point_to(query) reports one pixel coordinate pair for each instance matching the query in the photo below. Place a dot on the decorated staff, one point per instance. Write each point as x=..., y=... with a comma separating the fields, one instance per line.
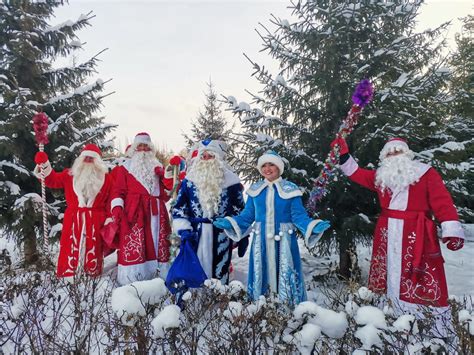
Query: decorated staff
x=40, y=126
x=362, y=96
x=175, y=173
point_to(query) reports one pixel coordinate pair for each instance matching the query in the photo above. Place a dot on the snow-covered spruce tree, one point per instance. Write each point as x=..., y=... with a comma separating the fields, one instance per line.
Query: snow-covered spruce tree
x=29, y=82
x=455, y=158
x=322, y=54
x=210, y=123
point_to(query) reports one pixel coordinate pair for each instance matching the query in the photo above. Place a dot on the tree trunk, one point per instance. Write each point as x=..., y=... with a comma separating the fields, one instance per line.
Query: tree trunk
x=30, y=250
x=348, y=261
x=344, y=259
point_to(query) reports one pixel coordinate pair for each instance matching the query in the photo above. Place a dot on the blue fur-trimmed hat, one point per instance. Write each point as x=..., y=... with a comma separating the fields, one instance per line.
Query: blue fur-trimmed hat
x=271, y=157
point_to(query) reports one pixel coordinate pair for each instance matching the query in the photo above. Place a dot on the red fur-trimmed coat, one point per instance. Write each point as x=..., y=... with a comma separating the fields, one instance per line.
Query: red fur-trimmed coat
x=406, y=258
x=144, y=226
x=80, y=218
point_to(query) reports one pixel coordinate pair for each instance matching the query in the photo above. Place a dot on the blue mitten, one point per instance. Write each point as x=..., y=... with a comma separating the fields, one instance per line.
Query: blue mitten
x=222, y=223
x=187, y=235
x=321, y=227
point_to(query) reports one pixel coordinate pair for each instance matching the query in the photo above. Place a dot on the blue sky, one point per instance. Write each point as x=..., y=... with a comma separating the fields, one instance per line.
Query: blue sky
x=161, y=54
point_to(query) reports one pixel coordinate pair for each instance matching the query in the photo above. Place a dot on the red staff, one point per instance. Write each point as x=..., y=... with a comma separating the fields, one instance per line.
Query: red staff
x=40, y=126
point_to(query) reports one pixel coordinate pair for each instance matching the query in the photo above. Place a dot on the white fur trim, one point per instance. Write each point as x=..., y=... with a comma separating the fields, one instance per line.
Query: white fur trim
x=181, y=224
x=271, y=158
x=253, y=192
x=350, y=166
x=90, y=153
x=392, y=146
x=118, y=201
x=452, y=229
x=108, y=220
x=310, y=238
x=284, y=194
x=230, y=178
x=394, y=255
x=141, y=138
x=270, y=242
x=236, y=233
x=215, y=146
x=204, y=252
x=47, y=169
x=127, y=274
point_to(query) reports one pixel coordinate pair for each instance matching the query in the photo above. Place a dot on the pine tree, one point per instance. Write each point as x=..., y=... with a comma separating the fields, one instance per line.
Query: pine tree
x=29, y=82
x=455, y=158
x=322, y=55
x=209, y=123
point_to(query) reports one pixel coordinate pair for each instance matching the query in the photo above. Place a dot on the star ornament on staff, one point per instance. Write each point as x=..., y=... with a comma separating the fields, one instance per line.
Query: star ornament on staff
x=40, y=127
x=361, y=97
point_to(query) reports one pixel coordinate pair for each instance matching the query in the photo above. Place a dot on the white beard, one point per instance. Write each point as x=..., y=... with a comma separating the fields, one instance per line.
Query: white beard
x=142, y=167
x=88, y=178
x=208, y=176
x=396, y=172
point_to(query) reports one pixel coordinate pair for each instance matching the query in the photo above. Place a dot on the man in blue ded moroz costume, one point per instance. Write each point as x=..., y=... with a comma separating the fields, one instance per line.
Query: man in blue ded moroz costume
x=210, y=190
x=273, y=213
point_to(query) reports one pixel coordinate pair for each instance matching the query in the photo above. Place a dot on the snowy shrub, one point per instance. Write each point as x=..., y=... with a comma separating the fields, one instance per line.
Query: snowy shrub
x=41, y=314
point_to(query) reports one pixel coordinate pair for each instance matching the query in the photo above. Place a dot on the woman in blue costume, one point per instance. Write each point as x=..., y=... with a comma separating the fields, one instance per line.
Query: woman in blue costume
x=273, y=212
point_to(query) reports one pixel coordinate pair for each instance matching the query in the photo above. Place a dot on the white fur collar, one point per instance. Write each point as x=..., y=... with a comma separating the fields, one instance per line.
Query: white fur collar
x=286, y=189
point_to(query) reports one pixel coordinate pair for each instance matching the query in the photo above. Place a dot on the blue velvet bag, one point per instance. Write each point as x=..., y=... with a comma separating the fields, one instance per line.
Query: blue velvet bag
x=186, y=270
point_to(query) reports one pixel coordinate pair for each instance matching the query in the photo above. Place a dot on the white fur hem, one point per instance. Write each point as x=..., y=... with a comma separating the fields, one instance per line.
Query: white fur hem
x=47, y=169
x=118, y=201
x=350, y=166
x=236, y=233
x=452, y=229
x=181, y=224
x=108, y=220
x=310, y=238
x=127, y=274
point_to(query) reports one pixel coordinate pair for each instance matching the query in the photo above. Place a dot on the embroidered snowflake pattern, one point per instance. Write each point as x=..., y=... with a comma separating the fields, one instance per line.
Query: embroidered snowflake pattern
x=133, y=250
x=419, y=285
x=179, y=212
x=256, y=185
x=378, y=266
x=196, y=207
x=288, y=186
x=224, y=203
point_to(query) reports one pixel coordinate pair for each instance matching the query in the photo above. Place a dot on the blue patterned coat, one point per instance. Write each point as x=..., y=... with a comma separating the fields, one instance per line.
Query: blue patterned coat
x=273, y=212
x=215, y=248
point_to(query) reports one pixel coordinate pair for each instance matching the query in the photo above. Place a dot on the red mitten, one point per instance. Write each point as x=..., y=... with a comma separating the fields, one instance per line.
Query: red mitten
x=341, y=142
x=175, y=160
x=41, y=157
x=160, y=171
x=182, y=175
x=117, y=212
x=453, y=243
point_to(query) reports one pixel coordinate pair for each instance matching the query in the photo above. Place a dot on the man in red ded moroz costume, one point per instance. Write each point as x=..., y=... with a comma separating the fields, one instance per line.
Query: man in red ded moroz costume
x=87, y=188
x=407, y=263
x=138, y=206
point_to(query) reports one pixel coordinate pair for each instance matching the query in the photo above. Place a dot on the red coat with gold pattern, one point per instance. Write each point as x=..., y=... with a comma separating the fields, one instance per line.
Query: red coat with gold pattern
x=406, y=258
x=81, y=243
x=144, y=227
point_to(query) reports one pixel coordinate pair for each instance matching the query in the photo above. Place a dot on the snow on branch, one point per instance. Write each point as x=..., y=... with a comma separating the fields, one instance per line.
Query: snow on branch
x=69, y=23
x=83, y=90
x=14, y=166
